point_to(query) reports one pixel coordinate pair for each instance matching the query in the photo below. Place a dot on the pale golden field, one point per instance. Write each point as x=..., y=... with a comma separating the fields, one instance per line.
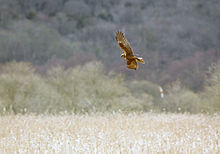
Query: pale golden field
x=110, y=133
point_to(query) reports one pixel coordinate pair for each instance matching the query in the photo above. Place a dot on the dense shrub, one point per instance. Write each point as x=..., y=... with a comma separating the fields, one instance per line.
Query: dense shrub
x=180, y=99
x=144, y=87
x=211, y=95
x=80, y=89
x=87, y=88
x=22, y=90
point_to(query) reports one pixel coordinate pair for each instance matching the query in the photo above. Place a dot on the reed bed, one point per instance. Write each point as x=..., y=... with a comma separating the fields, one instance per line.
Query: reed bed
x=110, y=133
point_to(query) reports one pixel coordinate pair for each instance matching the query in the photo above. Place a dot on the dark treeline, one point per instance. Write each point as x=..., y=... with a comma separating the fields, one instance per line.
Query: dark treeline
x=180, y=39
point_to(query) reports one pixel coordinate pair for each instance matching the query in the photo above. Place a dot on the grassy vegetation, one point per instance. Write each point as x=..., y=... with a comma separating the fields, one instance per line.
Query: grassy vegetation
x=211, y=94
x=80, y=89
x=88, y=89
x=110, y=133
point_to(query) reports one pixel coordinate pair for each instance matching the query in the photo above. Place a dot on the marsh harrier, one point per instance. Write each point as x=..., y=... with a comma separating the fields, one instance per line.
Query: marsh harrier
x=128, y=53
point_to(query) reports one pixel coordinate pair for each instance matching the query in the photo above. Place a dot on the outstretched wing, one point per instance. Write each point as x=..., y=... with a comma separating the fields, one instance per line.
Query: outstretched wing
x=123, y=43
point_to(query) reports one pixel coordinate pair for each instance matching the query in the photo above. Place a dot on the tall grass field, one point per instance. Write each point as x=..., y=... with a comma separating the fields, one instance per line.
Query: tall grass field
x=110, y=133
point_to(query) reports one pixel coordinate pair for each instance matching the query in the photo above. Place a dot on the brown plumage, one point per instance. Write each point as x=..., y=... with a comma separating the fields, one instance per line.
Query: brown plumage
x=128, y=53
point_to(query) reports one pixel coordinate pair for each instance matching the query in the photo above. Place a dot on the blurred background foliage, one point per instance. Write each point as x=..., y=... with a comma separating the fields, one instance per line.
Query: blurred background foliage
x=55, y=55
x=89, y=88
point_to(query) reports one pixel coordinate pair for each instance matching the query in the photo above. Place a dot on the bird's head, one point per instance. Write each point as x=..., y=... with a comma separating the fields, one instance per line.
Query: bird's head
x=123, y=55
x=140, y=59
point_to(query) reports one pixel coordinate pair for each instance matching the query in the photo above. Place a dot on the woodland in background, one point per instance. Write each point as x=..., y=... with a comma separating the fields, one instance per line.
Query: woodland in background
x=180, y=40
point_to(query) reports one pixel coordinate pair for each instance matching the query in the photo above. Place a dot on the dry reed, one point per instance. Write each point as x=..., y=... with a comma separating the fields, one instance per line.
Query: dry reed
x=110, y=133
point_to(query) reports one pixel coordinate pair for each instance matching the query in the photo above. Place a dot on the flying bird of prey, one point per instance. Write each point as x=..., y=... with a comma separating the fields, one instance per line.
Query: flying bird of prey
x=128, y=53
